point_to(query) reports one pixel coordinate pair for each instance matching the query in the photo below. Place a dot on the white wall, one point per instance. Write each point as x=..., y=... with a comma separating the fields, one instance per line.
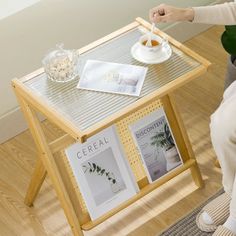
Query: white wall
x=26, y=36
x=9, y=7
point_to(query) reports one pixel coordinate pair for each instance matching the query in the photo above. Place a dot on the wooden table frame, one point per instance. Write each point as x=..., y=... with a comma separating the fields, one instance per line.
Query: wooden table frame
x=46, y=163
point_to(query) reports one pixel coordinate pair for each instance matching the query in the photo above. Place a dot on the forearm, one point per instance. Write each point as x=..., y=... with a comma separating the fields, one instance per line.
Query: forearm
x=222, y=14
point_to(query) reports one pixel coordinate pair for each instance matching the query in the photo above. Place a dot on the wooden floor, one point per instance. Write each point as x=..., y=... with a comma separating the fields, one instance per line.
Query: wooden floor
x=153, y=213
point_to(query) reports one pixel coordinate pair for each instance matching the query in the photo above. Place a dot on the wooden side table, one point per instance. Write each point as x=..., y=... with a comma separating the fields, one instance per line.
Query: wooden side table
x=82, y=114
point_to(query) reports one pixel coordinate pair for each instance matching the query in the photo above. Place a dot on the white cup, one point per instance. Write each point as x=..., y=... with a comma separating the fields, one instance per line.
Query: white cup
x=151, y=52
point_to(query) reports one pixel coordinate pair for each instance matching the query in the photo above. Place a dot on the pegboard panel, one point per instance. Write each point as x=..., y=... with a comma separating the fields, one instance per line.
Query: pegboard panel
x=126, y=138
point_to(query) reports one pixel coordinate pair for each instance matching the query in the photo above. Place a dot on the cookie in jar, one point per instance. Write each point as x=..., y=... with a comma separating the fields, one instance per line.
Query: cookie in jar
x=60, y=65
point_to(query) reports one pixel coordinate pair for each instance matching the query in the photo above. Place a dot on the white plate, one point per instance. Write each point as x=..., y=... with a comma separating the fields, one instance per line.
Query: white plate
x=162, y=55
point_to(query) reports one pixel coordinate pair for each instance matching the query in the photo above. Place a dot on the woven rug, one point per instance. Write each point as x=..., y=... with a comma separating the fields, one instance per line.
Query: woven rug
x=187, y=225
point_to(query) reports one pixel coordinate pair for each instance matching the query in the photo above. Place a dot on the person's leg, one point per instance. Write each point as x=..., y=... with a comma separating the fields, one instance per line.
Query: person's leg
x=233, y=201
x=231, y=221
x=229, y=227
x=223, y=136
x=231, y=71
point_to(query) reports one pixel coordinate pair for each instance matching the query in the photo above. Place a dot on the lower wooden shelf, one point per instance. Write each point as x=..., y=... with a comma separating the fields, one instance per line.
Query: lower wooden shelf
x=144, y=185
x=144, y=190
x=132, y=155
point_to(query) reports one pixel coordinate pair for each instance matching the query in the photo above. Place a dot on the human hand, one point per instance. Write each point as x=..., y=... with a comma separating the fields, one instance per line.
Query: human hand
x=166, y=13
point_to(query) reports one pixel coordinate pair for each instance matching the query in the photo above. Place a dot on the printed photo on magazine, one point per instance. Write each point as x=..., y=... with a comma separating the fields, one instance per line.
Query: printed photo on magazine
x=156, y=144
x=112, y=77
x=102, y=172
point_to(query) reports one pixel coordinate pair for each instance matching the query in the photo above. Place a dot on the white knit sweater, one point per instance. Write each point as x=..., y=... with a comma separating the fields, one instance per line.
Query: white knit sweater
x=221, y=14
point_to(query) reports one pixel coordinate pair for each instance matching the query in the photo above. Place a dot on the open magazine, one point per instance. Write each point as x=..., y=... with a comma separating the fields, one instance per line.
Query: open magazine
x=156, y=144
x=112, y=77
x=102, y=172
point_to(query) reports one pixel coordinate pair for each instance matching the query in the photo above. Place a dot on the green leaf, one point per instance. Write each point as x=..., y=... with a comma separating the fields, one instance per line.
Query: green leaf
x=94, y=167
x=98, y=169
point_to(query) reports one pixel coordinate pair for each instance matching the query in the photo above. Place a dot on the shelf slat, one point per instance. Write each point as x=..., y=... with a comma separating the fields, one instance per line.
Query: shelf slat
x=144, y=191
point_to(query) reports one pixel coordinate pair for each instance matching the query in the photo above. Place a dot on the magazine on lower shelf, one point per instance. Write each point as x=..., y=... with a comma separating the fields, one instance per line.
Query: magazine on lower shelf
x=112, y=77
x=156, y=144
x=102, y=172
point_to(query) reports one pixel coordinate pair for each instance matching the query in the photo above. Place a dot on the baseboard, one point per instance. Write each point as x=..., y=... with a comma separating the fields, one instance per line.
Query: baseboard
x=13, y=122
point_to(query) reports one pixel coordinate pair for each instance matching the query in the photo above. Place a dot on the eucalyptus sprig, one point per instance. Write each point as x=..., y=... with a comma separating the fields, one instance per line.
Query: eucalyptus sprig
x=94, y=168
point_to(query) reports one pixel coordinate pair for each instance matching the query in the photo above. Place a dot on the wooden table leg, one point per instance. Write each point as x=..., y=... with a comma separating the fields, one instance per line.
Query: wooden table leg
x=35, y=183
x=50, y=165
x=181, y=137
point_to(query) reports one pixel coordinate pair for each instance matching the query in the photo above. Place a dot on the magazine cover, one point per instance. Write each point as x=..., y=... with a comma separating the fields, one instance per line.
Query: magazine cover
x=112, y=77
x=155, y=142
x=102, y=172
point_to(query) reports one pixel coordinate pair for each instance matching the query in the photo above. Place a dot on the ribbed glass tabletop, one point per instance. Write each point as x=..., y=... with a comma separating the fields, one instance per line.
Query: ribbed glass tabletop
x=85, y=108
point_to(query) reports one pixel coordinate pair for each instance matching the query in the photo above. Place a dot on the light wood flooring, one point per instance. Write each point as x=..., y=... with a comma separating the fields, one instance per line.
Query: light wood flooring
x=147, y=217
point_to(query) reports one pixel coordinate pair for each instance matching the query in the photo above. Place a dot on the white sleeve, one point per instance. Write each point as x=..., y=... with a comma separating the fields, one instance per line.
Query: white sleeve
x=220, y=14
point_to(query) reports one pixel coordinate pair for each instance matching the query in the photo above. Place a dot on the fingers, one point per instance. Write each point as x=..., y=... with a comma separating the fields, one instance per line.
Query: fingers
x=167, y=13
x=161, y=19
x=157, y=18
x=156, y=14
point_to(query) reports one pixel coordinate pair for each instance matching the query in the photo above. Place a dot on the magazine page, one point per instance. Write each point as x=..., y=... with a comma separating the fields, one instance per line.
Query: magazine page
x=128, y=167
x=100, y=170
x=156, y=144
x=112, y=77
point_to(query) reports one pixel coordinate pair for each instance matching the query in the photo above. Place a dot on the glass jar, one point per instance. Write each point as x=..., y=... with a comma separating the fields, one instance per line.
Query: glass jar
x=61, y=65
